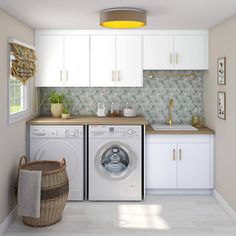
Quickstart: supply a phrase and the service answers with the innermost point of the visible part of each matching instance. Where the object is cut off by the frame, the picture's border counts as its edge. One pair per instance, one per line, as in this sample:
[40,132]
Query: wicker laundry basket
[54,190]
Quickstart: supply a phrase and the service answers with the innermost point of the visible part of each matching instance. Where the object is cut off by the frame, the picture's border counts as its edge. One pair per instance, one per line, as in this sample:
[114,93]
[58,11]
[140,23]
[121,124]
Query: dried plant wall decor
[22,62]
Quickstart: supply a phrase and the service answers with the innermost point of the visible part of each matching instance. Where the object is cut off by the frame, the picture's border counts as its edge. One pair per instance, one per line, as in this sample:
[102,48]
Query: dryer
[115,169]
[52,142]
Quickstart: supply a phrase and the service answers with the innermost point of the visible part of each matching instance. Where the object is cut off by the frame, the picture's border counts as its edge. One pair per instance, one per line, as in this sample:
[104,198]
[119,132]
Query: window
[18,99]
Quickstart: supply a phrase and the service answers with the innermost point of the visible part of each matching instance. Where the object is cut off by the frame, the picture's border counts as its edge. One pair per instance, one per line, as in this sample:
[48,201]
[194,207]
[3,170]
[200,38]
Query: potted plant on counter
[56,103]
[66,112]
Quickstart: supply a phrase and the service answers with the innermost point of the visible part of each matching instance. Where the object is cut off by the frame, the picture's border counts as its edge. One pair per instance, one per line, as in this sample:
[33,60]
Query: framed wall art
[221,105]
[221,71]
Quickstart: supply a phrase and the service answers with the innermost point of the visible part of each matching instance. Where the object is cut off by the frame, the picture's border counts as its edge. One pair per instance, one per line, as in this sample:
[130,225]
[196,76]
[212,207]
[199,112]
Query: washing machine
[52,142]
[115,163]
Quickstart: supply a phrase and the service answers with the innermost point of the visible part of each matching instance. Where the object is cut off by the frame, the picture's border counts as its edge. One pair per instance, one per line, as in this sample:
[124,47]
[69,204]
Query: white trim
[11,40]
[179,191]
[122,31]
[228,209]
[7,221]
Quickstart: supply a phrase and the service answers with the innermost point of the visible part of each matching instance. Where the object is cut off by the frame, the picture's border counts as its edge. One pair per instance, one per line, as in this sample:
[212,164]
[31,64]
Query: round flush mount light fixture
[123,18]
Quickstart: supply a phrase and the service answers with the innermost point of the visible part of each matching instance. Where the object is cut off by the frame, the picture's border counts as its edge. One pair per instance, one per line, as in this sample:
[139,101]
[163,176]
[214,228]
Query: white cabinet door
[129,61]
[193,165]
[189,52]
[50,61]
[158,52]
[76,60]
[103,56]
[161,165]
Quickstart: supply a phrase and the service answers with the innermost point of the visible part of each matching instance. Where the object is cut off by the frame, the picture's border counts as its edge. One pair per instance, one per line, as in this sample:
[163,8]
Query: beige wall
[12,137]
[223,43]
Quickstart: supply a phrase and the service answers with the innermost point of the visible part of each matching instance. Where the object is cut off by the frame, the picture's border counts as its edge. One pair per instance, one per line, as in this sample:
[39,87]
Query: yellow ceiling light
[123,18]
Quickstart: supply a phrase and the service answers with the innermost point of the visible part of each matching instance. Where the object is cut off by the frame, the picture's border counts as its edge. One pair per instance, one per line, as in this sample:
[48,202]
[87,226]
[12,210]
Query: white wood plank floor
[157,215]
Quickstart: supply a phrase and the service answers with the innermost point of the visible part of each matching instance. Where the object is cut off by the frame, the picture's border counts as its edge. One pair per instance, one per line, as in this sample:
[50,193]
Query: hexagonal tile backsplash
[151,100]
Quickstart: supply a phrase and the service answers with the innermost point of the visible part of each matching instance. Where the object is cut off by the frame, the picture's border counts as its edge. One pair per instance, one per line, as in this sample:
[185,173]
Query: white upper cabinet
[97,58]
[189,52]
[103,61]
[62,61]
[116,61]
[76,61]
[176,51]
[129,71]
[158,52]
[50,61]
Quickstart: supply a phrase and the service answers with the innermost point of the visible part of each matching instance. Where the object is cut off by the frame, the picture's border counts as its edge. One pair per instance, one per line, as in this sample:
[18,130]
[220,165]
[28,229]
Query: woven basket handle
[63,161]
[23,158]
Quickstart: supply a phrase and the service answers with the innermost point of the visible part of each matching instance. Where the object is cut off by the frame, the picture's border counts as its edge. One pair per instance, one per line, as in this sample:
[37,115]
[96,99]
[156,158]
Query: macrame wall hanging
[22,62]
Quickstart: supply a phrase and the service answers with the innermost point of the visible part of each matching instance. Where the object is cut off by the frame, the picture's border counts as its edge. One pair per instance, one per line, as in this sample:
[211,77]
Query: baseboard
[7,221]
[179,191]
[229,210]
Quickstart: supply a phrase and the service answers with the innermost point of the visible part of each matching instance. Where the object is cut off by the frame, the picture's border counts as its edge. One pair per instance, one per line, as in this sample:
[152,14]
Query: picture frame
[221,71]
[221,105]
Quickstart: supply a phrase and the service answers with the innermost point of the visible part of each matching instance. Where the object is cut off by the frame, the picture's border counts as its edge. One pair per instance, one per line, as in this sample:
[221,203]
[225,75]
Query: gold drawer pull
[180,154]
[173,154]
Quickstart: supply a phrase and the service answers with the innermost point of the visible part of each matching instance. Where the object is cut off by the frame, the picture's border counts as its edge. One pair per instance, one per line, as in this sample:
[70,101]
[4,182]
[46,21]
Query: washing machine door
[115,161]
[56,150]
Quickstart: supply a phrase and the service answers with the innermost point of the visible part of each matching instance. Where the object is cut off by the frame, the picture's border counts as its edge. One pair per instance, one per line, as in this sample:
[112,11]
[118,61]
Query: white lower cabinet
[179,161]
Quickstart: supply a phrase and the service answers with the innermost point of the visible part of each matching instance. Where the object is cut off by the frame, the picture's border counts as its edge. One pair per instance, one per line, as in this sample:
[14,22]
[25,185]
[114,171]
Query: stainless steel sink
[174,127]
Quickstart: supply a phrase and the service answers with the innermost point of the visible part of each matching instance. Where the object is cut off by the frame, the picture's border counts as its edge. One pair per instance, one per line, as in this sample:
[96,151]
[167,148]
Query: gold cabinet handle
[113,76]
[171,58]
[177,58]
[180,154]
[173,154]
[61,75]
[118,75]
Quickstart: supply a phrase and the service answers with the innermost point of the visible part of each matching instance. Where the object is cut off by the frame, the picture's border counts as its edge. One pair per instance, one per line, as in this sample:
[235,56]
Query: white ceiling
[84,14]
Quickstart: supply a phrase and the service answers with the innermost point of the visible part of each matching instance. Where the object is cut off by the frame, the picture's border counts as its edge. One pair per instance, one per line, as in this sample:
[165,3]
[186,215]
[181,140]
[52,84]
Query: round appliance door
[55,150]
[115,161]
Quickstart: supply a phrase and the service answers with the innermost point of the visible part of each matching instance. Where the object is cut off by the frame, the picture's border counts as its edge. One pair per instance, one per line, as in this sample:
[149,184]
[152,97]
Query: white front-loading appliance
[115,160]
[53,142]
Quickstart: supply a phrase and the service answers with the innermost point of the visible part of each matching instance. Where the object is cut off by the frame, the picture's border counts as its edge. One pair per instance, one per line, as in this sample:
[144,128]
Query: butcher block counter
[88,120]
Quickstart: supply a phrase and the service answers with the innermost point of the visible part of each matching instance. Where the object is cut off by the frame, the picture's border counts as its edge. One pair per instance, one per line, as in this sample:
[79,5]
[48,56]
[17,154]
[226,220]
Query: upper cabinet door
[190,52]
[158,52]
[129,61]
[76,61]
[102,68]
[50,61]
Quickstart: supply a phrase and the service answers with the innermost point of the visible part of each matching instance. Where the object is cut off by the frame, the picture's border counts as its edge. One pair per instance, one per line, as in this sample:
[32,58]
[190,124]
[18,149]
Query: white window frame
[21,115]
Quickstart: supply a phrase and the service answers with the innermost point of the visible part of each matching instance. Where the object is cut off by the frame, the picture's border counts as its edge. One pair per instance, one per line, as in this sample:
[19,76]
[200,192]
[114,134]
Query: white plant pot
[56,109]
[65,116]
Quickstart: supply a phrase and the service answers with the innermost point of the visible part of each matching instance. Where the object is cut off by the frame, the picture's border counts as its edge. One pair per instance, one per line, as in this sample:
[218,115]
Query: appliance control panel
[57,131]
[115,131]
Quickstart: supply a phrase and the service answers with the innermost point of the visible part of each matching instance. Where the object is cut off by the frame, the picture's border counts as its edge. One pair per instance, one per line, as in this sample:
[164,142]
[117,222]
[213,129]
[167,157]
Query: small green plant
[66,111]
[67,102]
[56,97]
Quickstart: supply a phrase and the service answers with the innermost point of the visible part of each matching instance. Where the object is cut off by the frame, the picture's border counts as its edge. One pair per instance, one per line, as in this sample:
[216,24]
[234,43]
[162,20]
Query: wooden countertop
[204,130]
[88,120]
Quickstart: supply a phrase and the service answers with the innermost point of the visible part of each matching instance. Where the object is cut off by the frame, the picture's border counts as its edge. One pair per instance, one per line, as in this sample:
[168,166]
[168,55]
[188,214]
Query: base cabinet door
[193,166]
[161,167]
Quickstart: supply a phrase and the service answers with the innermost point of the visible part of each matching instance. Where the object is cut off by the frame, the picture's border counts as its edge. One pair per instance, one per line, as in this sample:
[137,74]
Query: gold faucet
[171,106]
